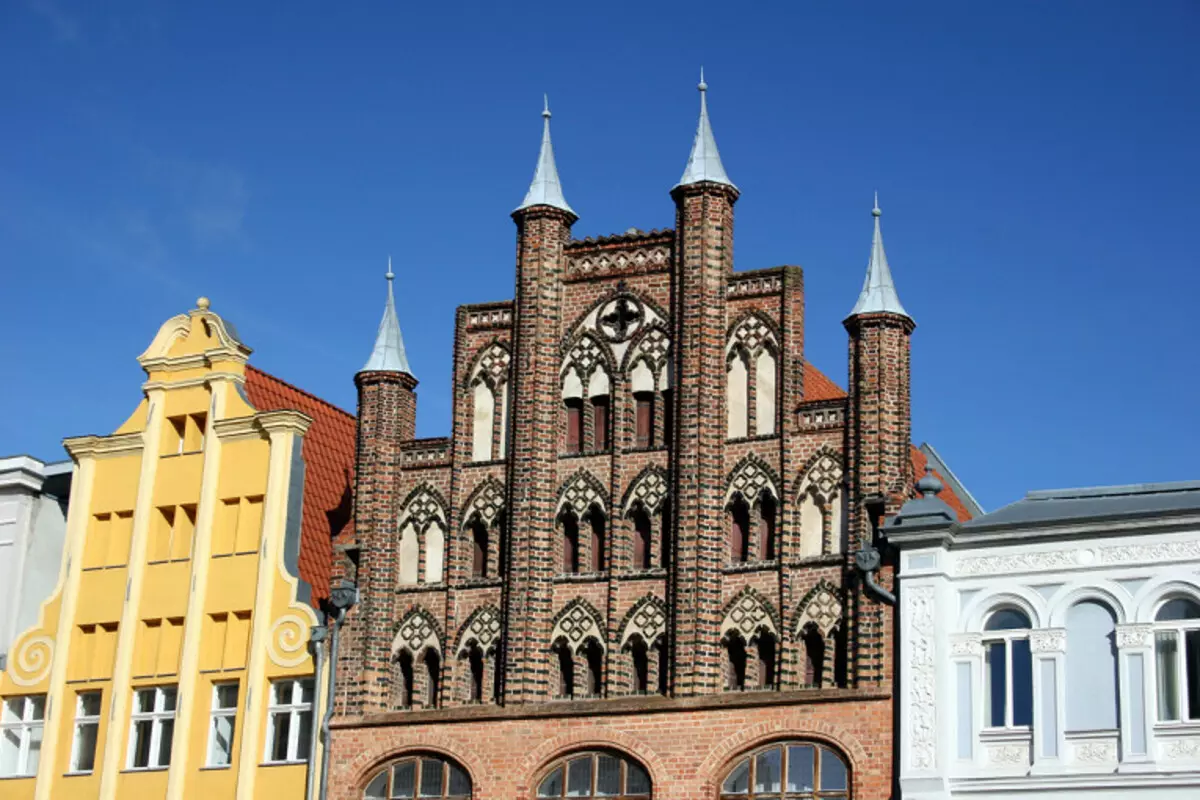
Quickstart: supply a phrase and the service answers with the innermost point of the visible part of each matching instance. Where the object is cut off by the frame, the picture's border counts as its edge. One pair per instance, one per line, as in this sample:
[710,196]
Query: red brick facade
[525,658]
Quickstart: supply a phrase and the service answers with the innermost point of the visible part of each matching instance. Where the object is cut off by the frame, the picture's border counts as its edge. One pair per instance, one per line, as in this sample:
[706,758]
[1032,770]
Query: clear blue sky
[1037,165]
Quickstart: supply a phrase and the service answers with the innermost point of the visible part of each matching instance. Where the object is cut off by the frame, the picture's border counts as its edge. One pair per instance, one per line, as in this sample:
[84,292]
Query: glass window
[593,775]
[152,726]
[289,721]
[1008,673]
[1177,660]
[22,723]
[791,771]
[221,724]
[424,776]
[87,726]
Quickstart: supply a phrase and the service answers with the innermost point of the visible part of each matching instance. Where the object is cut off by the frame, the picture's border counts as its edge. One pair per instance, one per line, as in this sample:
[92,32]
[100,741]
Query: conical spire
[546,190]
[704,164]
[388,355]
[878,292]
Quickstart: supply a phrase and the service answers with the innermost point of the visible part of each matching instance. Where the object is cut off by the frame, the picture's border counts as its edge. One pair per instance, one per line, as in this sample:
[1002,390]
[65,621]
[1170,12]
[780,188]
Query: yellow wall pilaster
[126,633]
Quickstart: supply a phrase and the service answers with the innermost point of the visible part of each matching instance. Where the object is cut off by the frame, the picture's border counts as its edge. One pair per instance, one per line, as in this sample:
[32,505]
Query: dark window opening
[766,661]
[597,524]
[479,549]
[600,422]
[595,665]
[642,537]
[433,674]
[644,408]
[735,655]
[406,679]
[574,424]
[570,544]
[766,528]
[739,527]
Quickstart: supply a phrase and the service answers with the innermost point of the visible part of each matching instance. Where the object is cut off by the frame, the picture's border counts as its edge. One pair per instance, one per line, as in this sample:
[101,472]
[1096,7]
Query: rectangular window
[174,435]
[22,721]
[193,437]
[221,724]
[289,720]
[574,425]
[1177,664]
[87,726]
[644,418]
[152,725]
[665,413]
[600,422]
[1008,687]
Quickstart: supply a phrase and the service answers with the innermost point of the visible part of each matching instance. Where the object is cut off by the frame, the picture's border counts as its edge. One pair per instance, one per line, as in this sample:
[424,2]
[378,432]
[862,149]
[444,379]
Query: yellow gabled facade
[172,659]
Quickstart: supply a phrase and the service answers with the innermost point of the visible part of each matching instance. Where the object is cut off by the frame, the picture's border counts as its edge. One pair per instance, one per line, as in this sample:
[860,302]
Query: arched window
[435,551]
[433,677]
[404,687]
[764,393]
[596,523]
[566,668]
[766,527]
[1091,679]
[737,391]
[475,683]
[595,775]
[410,555]
[739,531]
[425,776]
[814,656]
[598,391]
[1177,660]
[1008,677]
[765,647]
[483,422]
[593,656]
[791,770]
[479,549]
[569,525]
[643,535]
[735,662]
[641,665]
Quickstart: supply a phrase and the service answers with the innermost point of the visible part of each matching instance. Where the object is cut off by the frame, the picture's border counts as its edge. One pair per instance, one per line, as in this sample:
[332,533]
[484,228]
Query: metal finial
[703,86]
[389,274]
[546,106]
[929,485]
[875,212]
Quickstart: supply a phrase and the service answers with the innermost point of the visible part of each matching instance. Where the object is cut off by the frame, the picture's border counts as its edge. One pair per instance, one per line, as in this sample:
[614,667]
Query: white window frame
[216,713]
[295,710]
[82,720]
[24,725]
[1179,627]
[156,717]
[1006,637]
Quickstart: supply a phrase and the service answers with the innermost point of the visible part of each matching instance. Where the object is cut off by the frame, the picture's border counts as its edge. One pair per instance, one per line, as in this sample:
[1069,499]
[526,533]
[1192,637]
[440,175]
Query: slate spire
[879,291]
[704,164]
[388,355]
[546,190]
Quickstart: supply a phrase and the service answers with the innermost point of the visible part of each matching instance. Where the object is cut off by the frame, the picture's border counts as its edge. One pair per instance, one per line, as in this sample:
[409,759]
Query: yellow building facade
[173,658]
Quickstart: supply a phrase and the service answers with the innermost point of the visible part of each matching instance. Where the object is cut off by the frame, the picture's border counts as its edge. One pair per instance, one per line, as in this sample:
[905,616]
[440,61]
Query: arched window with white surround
[1091,679]
[752,368]
[422,538]
[789,771]
[425,775]
[737,393]
[586,397]
[1008,669]
[488,385]
[1177,660]
[595,775]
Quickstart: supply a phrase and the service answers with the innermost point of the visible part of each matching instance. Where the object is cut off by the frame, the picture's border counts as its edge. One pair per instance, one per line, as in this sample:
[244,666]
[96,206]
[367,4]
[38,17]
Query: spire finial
[388,354]
[878,294]
[929,485]
[546,190]
[704,163]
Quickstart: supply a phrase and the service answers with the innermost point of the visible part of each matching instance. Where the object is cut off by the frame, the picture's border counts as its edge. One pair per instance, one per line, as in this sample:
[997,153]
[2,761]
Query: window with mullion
[87,727]
[22,724]
[1177,660]
[595,775]
[152,727]
[289,721]
[1008,670]
[792,770]
[421,776]
[222,721]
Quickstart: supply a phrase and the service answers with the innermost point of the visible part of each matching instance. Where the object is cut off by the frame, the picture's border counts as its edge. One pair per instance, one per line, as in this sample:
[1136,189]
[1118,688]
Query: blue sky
[1036,162]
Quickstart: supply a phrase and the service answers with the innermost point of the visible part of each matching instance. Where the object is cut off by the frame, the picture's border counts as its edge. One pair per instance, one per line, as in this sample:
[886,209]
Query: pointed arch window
[735,662]
[765,523]
[737,393]
[593,659]
[643,536]
[479,549]
[569,527]
[565,662]
[405,677]
[640,656]
[596,524]
[814,656]
[475,664]
[739,530]
[765,651]
[432,663]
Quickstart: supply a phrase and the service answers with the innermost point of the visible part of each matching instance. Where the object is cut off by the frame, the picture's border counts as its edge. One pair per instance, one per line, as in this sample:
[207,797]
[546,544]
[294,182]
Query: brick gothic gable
[668,307]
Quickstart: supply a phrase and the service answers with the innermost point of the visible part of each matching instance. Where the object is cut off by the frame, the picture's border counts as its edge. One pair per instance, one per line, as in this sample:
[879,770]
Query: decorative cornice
[1048,640]
[1135,635]
[118,444]
[284,420]
[964,645]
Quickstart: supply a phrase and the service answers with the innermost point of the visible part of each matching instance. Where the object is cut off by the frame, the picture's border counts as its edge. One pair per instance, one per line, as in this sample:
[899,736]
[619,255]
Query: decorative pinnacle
[878,294]
[546,189]
[389,274]
[546,106]
[875,212]
[929,485]
[202,303]
[704,163]
[702,86]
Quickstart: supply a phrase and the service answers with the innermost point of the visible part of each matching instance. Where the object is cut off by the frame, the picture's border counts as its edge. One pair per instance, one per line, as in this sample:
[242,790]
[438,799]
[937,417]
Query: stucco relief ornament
[1096,752]
[287,641]
[922,700]
[1008,754]
[970,644]
[1134,635]
[1048,640]
[620,319]
[32,661]
[825,476]
[1180,749]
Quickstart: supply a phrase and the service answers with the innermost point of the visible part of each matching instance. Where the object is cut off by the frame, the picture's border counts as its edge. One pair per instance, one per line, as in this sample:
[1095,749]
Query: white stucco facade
[1078,701]
[33,506]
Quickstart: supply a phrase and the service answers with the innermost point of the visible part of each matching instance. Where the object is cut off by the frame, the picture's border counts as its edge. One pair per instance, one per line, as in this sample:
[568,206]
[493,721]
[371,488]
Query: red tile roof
[818,387]
[329,450]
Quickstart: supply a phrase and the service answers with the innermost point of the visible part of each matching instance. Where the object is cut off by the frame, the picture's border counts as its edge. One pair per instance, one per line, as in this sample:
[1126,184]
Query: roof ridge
[298,390]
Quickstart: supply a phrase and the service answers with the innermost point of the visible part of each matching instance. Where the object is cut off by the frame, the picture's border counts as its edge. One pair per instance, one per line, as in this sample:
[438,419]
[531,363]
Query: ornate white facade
[1053,645]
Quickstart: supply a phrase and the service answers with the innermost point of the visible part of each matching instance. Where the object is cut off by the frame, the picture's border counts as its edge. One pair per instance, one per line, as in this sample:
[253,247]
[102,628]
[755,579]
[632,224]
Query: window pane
[404,779]
[84,759]
[460,784]
[833,771]
[35,749]
[636,780]
[738,781]
[10,749]
[281,693]
[552,785]
[1007,619]
[1179,608]
[1166,658]
[89,704]
[377,789]
[1022,682]
[14,709]
[280,729]
[996,678]
[431,778]
[800,769]
[579,777]
[141,743]
[608,776]
[164,742]
[226,696]
[168,698]
[1191,666]
[221,747]
[306,691]
[145,701]
[304,739]
[35,708]
[767,769]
